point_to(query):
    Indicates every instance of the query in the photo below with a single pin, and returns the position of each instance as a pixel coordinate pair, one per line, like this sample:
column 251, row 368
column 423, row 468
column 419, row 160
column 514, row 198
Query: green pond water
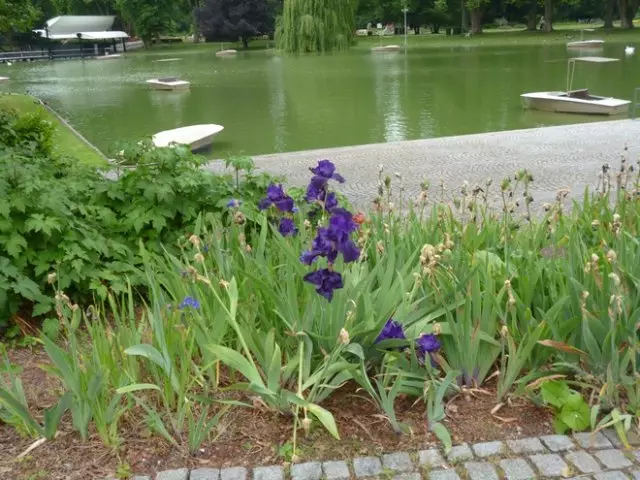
column 270, row 103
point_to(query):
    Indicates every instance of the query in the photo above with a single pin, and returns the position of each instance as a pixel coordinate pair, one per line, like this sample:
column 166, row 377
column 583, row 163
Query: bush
column 60, row 216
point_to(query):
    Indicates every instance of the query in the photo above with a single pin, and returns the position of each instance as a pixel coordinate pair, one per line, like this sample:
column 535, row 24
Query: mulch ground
column 253, row 437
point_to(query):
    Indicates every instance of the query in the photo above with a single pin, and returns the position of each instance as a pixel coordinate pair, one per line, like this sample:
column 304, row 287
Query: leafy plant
column 571, row 411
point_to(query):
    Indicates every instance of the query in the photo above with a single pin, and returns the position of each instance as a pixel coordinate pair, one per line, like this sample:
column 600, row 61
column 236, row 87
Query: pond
column 270, row 103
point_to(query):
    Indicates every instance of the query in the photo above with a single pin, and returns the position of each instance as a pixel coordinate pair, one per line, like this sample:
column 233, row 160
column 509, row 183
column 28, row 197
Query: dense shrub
column 58, row 215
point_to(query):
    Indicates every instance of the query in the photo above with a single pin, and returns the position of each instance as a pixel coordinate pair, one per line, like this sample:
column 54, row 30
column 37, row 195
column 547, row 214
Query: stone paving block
column 398, row 462
column 234, row 473
column 488, row 449
column 204, row 474
column 589, row 440
column 517, row 469
column 367, row 466
column 443, row 475
column 558, row 443
column 460, row 453
column 336, row 470
column 408, row 476
column 636, row 474
column 615, row 475
column 632, row 437
column 584, row 462
column 613, row 459
column 141, row 477
column 526, row 445
column 481, row 471
column 550, row 465
column 306, row 471
column 178, row 474
column 431, row 458
column 273, row 472
column 637, row 455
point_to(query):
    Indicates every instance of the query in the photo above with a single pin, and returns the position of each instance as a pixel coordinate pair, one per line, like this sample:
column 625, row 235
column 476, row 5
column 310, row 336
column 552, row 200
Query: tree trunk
column 464, row 22
column 416, row 30
column 476, row 20
column 608, row 13
column 245, row 42
column 532, row 16
column 628, row 9
column 548, row 15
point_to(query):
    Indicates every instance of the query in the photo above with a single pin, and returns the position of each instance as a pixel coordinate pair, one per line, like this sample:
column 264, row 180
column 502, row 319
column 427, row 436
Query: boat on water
column 226, row 53
column 168, row 83
column 112, row 56
column 586, row 44
column 386, row 48
column 582, row 43
column 196, row 137
column 576, row 101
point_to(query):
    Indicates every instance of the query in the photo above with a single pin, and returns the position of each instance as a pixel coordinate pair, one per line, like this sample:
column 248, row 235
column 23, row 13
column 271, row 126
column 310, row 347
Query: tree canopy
column 235, row 19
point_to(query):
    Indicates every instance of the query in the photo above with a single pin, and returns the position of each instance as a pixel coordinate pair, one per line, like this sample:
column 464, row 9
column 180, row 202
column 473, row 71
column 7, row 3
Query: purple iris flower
column 234, row 203
column 327, row 170
column 326, row 281
column 317, row 188
column 287, row 227
column 391, row 330
column 277, row 197
column 334, row 239
column 427, row 345
column 189, row 302
column 330, row 202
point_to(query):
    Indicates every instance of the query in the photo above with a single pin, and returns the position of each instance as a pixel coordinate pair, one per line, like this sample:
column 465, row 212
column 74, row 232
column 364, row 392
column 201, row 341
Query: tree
column 149, row 18
column 235, row 19
column 476, row 8
column 316, row 25
column 627, row 9
column 17, row 16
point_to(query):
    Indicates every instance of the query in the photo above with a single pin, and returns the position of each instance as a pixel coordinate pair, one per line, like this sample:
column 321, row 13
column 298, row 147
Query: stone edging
column 586, row 456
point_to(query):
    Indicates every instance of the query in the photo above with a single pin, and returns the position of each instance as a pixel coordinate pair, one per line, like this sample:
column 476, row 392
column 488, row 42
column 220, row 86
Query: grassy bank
column 66, row 142
column 505, row 37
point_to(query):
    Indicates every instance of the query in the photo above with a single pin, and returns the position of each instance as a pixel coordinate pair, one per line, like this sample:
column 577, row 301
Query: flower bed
column 282, row 309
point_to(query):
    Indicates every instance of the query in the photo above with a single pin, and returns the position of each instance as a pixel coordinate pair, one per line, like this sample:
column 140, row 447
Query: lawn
column 66, row 142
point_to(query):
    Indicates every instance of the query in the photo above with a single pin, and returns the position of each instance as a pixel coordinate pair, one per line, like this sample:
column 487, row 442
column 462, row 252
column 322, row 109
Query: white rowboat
column 195, row 137
column 576, row 101
column 386, row 48
column 170, row 83
column 226, row 53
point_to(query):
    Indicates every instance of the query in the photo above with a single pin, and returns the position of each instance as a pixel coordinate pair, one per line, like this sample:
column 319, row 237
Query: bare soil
column 253, row 437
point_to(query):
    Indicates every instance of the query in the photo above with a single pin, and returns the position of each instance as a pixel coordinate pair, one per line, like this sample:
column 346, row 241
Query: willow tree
column 316, row 25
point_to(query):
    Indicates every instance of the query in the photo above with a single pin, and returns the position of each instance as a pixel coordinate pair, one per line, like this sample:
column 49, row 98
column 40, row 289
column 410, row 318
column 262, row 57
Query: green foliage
column 316, row 25
column 59, row 216
column 571, row 411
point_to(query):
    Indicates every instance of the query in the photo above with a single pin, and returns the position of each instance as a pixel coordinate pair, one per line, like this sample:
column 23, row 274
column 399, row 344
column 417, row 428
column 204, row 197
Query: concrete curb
column 588, row 456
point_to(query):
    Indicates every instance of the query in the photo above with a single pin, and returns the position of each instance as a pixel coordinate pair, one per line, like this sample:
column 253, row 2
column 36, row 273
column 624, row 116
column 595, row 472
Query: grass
column 505, row 37
column 66, row 142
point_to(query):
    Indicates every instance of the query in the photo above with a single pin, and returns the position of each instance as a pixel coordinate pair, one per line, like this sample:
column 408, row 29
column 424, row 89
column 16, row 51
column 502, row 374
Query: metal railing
column 636, row 103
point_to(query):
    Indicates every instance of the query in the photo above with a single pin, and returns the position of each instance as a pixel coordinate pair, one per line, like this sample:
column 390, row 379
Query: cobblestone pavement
column 583, row 455
column 559, row 157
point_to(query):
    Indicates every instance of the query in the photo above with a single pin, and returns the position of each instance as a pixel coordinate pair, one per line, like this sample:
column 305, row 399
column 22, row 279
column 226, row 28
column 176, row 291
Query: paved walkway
column 585, row 456
column 558, row 157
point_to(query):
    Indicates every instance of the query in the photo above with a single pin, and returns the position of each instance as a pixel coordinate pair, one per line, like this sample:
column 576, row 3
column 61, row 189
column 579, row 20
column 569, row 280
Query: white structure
column 582, row 43
column 226, row 53
column 170, row 83
column 629, row 50
column 195, row 137
column 386, row 48
column 576, row 101
column 4, row 79
column 86, row 27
